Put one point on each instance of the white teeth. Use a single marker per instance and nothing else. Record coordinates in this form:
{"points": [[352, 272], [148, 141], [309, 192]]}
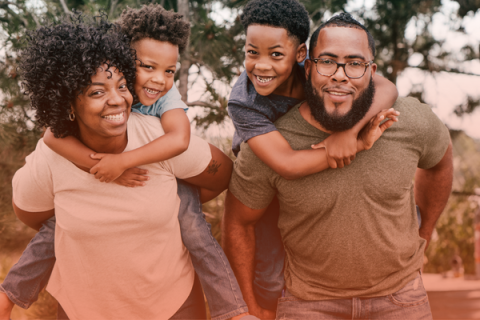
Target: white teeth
{"points": [[264, 79], [151, 91], [338, 93], [114, 117]]}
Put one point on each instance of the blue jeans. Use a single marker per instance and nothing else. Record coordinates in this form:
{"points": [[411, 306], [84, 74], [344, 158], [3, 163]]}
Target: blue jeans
{"points": [[410, 302], [31, 273], [269, 281]]}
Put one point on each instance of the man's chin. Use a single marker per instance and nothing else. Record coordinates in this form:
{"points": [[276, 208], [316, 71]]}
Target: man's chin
{"points": [[337, 110]]}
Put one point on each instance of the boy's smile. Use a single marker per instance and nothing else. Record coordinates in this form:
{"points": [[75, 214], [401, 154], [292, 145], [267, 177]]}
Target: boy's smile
{"points": [[270, 55], [156, 66]]}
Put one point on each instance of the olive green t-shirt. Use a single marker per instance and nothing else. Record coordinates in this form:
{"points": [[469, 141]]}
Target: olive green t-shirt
{"points": [[350, 232]]}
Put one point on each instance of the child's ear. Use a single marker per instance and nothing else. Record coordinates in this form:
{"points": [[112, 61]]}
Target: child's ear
{"points": [[301, 52]]}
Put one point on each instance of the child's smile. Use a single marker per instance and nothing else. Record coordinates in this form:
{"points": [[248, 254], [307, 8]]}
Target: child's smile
{"points": [[156, 66]]}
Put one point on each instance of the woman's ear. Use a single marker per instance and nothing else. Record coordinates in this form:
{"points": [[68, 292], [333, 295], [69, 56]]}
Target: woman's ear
{"points": [[301, 52]]}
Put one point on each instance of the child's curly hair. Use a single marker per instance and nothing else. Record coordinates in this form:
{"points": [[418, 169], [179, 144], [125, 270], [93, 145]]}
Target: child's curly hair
{"points": [[154, 22], [288, 14], [60, 60]]}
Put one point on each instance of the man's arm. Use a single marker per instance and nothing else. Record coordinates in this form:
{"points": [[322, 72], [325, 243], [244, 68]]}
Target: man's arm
{"points": [[238, 242], [432, 189]]}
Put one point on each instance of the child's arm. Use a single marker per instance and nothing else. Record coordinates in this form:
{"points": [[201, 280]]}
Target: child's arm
{"points": [[175, 141], [73, 150], [341, 146], [275, 151]]}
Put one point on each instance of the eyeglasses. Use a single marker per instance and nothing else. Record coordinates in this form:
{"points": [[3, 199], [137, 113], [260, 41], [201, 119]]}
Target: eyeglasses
{"points": [[353, 70]]}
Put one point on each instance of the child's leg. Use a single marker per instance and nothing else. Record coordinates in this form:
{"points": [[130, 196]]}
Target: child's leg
{"points": [[31, 273], [213, 269], [269, 259]]}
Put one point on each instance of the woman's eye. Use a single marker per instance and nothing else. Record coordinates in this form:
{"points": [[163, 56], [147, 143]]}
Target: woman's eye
{"points": [[95, 93], [123, 86]]}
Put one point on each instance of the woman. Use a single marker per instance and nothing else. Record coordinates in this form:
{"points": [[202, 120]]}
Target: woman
{"points": [[119, 250]]}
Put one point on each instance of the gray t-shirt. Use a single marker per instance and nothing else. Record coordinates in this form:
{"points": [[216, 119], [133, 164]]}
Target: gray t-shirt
{"points": [[253, 114], [349, 232]]}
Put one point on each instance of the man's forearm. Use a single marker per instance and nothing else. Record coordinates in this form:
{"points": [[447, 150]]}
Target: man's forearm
{"points": [[432, 189], [238, 242]]}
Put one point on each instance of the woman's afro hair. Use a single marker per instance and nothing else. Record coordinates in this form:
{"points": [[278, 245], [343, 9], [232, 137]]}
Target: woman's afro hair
{"points": [[154, 22], [288, 14], [60, 60]]}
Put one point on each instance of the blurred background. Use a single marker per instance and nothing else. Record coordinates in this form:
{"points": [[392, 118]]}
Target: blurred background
{"points": [[430, 49]]}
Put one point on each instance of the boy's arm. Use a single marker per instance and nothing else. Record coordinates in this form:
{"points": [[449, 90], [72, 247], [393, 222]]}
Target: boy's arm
{"points": [[174, 142], [71, 149], [342, 146], [274, 150]]}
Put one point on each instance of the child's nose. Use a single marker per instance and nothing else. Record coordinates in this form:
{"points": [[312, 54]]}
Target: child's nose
{"points": [[263, 66], [159, 78]]}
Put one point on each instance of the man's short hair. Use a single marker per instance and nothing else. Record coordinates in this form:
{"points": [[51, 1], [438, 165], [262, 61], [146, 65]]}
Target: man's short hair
{"points": [[154, 22], [288, 14], [344, 20]]}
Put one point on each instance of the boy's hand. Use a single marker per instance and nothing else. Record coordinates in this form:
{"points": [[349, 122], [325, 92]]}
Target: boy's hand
{"points": [[374, 129], [109, 168], [6, 306], [341, 148], [133, 177]]}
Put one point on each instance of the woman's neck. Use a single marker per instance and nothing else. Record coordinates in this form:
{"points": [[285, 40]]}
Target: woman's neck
{"points": [[101, 144]]}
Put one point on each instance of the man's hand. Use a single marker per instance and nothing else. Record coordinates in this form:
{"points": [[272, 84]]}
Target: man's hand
{"points": [[109, 168], [341, 148], [6, 306], [133, 177], [375, 128]]}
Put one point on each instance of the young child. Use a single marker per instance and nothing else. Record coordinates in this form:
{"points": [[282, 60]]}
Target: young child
{"points": [[273, 82], [157, 36]]}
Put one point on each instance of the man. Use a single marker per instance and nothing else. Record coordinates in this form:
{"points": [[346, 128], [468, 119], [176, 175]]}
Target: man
{"points": [[351, 236]]}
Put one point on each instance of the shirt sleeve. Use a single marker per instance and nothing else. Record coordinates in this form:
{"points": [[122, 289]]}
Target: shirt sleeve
{"points": [[33, 183], [249, 122], [193, 161], [436, 138], [252, 181], [171, 100]]}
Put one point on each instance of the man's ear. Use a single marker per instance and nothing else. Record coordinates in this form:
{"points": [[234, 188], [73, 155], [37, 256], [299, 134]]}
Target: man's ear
{"points": [[308, 65], [301, 52], [374, 69]]}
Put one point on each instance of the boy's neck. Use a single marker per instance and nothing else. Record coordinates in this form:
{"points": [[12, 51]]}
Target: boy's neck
{"points": [[293, 86]]}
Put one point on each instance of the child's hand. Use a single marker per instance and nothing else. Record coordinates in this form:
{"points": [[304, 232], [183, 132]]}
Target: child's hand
{"points": [[373, 130], [109, 168], [341, 148], [133, 177]]}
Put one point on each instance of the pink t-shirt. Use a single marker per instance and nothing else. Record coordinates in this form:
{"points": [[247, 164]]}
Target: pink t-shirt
{"points": [[119, 250]]}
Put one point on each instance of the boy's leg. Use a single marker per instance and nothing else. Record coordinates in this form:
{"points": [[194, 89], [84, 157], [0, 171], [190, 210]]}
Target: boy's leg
{"points": [[30, 274], [269, 259], [213, 269]]}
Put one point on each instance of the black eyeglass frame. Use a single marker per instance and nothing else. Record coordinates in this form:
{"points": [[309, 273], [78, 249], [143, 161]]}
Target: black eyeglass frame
{"points": [[366, 64]]}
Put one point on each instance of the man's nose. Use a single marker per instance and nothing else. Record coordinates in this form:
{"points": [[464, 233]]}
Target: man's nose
{"points": [[340, 75]]}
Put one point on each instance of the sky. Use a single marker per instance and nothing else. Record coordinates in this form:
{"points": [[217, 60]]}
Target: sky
{"points": [[443, 91]]}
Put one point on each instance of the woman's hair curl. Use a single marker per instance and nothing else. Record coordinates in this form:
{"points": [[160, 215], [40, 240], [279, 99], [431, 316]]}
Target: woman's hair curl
{"points": [[154, 22], [60, 59]]}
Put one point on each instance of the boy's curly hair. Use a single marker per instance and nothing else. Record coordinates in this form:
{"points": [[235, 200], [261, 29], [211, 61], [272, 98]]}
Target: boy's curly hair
{"points": [[288, 14], [154, 22], [60, 60]]}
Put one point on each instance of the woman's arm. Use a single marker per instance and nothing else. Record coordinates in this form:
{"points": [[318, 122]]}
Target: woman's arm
{"points": [[216, 176], [32, 219]]}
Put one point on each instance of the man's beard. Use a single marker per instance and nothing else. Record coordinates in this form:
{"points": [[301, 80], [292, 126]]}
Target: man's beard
{"points": [[333, 122]]}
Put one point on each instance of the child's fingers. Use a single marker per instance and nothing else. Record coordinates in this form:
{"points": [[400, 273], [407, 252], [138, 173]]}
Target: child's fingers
{"points": [[97, 156], [139, 171], [387, 124]]}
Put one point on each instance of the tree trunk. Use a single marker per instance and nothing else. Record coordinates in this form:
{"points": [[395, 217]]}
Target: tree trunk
{"points": [[64, 6], [185, 56]]}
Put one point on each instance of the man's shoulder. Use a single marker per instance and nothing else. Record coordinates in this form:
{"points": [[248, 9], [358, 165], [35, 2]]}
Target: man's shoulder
{"points": [[414, 113]]}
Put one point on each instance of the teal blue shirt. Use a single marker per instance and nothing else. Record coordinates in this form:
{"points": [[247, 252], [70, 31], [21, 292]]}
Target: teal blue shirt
{"points": [[171, 100]]}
